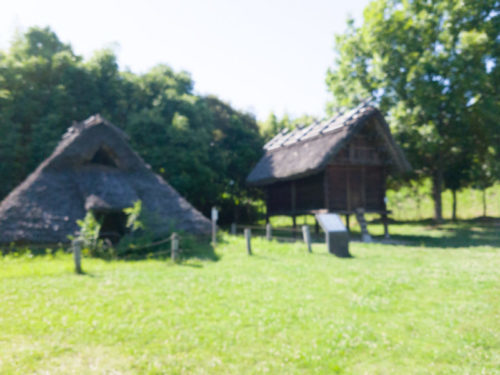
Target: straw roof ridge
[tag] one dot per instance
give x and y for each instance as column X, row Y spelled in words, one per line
column 305, row 151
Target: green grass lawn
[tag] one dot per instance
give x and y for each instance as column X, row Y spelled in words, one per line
column 430, row 304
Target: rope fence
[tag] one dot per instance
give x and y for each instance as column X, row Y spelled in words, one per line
column 175, row 251
column 161, row 242
column 284, row 229
column 77, row 247
column 299, row 234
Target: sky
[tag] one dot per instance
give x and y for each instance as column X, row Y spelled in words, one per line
column 260, row 56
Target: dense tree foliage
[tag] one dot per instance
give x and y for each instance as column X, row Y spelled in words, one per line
column 201, row 145
column 273, row 125
column 434, row 67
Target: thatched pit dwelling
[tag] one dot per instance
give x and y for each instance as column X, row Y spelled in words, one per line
column 339, row 165
column 92, row 169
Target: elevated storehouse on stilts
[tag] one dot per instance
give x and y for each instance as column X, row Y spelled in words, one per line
column 339, row 165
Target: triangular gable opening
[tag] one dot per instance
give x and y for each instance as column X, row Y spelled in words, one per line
column 103, row 157
column 367, row 146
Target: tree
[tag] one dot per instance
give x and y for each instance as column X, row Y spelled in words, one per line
column 34, row 100
column 236, row 146
column 485, row 171
column 430, row 65
column 201, row 145
column 456, row 175
column 272, row 125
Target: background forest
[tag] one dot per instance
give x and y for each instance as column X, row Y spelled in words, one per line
column 200, row 145
column 431, row 67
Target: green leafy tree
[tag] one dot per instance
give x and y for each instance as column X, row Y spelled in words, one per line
column 272, row 125
column 433, row 66
column 199, row 144
column 88, row 235
column 133, row 216
column 236, row 146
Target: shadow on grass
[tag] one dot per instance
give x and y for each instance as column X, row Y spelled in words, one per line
column 192, row 265
column 85, row 273
column 200, row 249
column 483, row 231
column 464, row 233
column 189, row 248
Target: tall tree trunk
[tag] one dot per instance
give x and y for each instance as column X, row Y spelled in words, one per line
column 454, row 205
column 437, row 183
column 484, row 202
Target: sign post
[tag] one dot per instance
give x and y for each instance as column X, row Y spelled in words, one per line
column 337, row 239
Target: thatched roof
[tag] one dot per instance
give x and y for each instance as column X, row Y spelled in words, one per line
column 45, row 207
column 305, row 151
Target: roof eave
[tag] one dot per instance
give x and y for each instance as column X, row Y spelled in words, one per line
column 269, row 181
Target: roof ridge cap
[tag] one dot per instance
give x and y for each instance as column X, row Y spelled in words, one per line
column 302, row 141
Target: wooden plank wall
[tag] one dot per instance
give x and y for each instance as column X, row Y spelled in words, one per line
column 351, row 187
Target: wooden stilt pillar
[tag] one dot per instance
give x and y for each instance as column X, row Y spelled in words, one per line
column 363, row 225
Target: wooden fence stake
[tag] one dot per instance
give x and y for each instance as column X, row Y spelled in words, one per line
column 215, row 217
column 77, row 256
column 307, row 237
column 269, row 232
column 248, row 237
column 386, row 226
column 233, row 229
column 174, row 249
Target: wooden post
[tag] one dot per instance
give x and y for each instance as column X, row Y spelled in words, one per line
column 348, row 188
column 214, row 233
column 233, row 229
column 347, row 222
column 77, row 256
column 360, row 216
column 316, row 226
column 269, row 232
column 363, row 187
column 174, row 249
column 294, row 226
column 248, row 237
column 386, row 226
column 326, row 190
column 307, row 237
column 215, row 216
column 266, row 192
